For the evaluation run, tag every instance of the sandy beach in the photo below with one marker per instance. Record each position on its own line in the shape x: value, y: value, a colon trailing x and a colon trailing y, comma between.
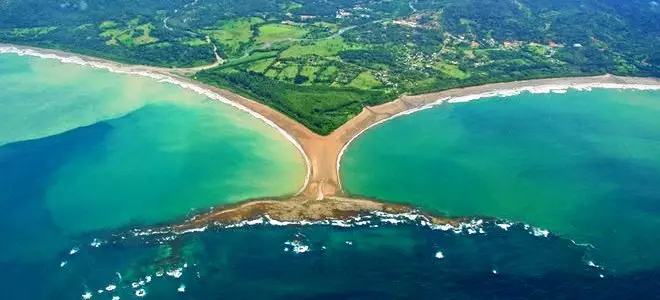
x: 323, y: 153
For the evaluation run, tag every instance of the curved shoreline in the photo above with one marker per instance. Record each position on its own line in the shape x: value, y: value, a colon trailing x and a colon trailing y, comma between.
x: 323, y: 154
x: 539, y: 86
x: 161, y: 75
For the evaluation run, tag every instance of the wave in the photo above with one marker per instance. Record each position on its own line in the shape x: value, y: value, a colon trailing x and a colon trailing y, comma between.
x: 160, y: 77
x: 373, y: 219
x: 554, y: 88
x: 180, y: 272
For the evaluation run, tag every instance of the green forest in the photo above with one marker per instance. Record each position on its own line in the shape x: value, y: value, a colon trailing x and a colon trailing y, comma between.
x: 321, y: 61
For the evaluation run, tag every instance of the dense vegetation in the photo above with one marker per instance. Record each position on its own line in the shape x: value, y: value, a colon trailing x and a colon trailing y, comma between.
x: 321, y: 61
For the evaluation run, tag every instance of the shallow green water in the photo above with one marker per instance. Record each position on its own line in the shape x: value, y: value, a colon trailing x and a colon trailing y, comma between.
x: 585, y: 165
x: 84, y: 149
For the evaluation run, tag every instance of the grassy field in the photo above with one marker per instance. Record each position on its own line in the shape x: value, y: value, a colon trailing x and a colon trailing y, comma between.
x: 232, y: 36
x: 325, y: 47
x: 365, y: 81
x: 133, y: 34
x: 451, y: 70
x: 273, y: 32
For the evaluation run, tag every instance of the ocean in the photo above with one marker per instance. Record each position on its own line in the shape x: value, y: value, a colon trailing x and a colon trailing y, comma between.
x: 583, y: 164
x: 89, y: 158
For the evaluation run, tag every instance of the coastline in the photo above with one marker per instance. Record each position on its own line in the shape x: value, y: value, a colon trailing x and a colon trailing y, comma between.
x: 159, y: 74
x: 406, y: 105
x: 322, y: 154
x: 337, y: 211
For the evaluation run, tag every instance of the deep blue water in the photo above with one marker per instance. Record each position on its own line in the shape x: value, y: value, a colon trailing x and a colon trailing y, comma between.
x: 383, y: 262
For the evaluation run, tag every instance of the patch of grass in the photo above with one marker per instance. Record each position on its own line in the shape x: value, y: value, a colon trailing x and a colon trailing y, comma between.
x: 193, y: 42
x: 272, y: 73
x: 328, y: 74
x: 332, y: 26
x: 261, y: 66
x: 146, y: 37
x: 32, y: 31
x: 255, y: 56
x: 309, y: 72
x: 233, y: 35
x: 289, y: 72
x: 327, y: 47
x: 85, y: 26
x: 108, y: 25
x: 274, y: 32
x: 451, y: 70
x: 132, y: 35
x: 365, y: 81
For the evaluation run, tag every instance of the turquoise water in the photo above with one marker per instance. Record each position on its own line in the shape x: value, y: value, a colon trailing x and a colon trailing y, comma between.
x: 83, y: 150
x: 584, y: 165
x: 87, y: 155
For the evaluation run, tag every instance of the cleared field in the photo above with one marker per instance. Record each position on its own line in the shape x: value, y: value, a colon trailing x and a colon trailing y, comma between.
x: 261, y: 66
x: 232, y: 35
x: 274, y: 32
x: 451, y: 70
x: 309, y: 72
x: 131, y: 35
x: 328, y: 74
x: 289, y: 72
x: 327, y: 47
x: 365, y: 81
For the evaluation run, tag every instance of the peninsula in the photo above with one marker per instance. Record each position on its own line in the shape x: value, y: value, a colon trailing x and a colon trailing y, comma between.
x: 322, y: 196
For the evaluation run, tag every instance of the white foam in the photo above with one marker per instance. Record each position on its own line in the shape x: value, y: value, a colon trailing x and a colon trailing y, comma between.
x: 298, y: 246
x: 439, y: 255
x: 115, y: 297
x: 140, y: 293
x: 110, y: 287
x: 176, y: 273
x: 74, y: 250
x: 95, y: 243
x: 540, y: 232
x: 504, y: 226
x: 87, y: 295
x: 63, y: 263
x: 143, y: 71
x: 181, y: 289
x: 494, y: 271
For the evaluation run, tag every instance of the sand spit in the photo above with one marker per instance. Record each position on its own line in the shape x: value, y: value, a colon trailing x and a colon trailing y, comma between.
x: 323, y: 153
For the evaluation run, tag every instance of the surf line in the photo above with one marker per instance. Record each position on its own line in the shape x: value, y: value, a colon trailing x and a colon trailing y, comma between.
x: 151, y: 72
x: 559, y: 88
